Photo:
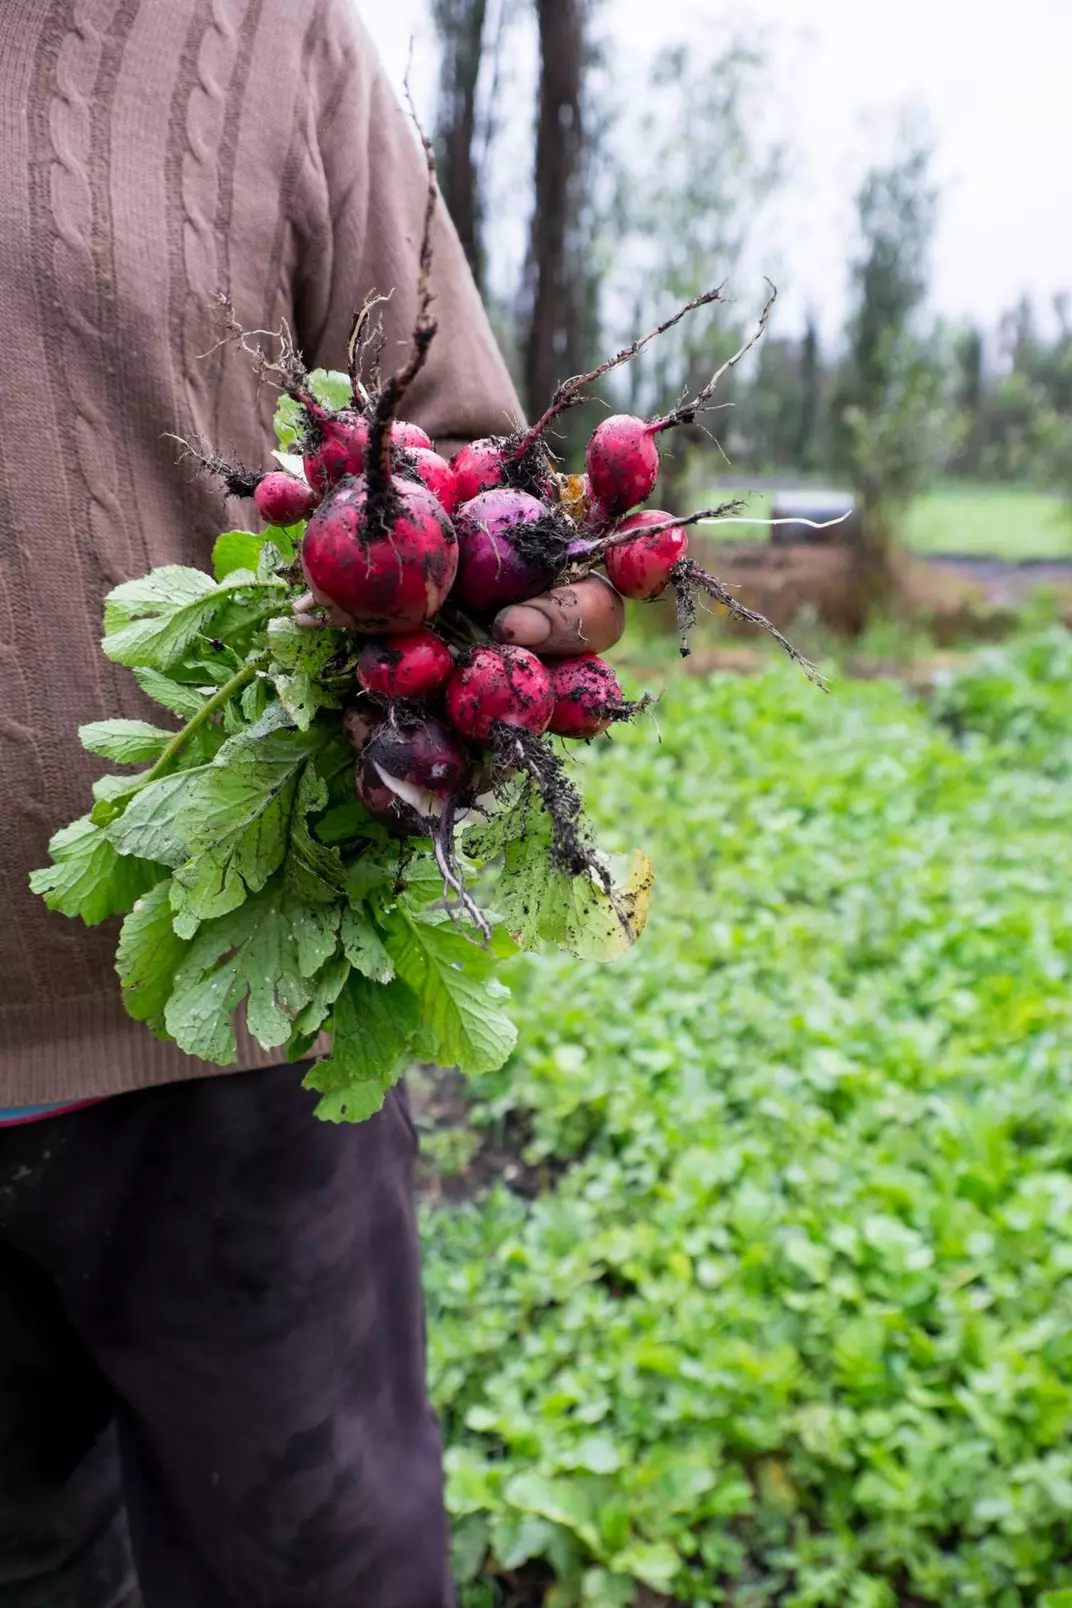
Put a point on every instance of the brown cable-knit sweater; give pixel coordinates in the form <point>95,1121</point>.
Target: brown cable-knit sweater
<point>153,153</point>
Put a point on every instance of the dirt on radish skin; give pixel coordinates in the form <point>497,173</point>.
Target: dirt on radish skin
<point>434,472</point>
<point>334,446</point>
<point>510,546</point>
<point>359,722</point>
<point>499,686</point>
<point>388,579</point>
<point>496,461</point>
<point>410,436</point>
<point>641,569</point>
<point>409,666</point>
<point>409,769</point>
<point>588,696</point>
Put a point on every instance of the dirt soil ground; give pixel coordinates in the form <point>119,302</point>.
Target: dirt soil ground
<point>955,597</point>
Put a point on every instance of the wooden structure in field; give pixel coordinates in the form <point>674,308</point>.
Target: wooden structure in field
<point>817,505</point>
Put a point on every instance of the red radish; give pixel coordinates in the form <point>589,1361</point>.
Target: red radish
<point>410,436</point>
<point>409,666</point>
<point>587,696</point>
<point>437,475</point>
<point>493,684</point>
<point>335,446</point>
<point>409,769</point>
<point>510,546</point>
<point>283,499</point>
<point>388,577</point>
<point>478,467</point>
<point>641,569</point>
<point>622,462</point>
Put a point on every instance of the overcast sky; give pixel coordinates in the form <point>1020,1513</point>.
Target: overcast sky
<point>992,75</point>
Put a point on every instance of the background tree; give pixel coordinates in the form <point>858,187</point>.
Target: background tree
<point>553,293</point>
<point>889,411</point>
<point>692,181</point>
<point>461,26</point>
<point>807,445</point>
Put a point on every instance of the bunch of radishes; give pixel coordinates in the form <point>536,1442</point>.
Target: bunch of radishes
<point>417,555</point>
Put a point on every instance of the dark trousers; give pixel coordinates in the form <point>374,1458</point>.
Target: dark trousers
<point>210,1311</point>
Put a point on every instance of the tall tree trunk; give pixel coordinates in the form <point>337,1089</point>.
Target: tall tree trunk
<point>804,445</point>
<point>556,270</point>
<point>460,24</point>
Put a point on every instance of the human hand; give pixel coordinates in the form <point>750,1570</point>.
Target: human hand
<point>312,612</point>
<point>587,617</point>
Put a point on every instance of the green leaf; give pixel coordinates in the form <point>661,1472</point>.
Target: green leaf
<point>251,957</point>
<point>329,984</point>
<point>461,1024</point>
<point>112,795</point>
<point>315,928</point>
<point>149,954</point>
<point>373,1030</point>
<point>236,550</point>
<point>530,894</point>
<point>148,827</point>
<point>217,879</point>
<point>343,822</point>
<point>313,870</point>
<point>88,878</point>
<point>127,742</point>
<point>170,587</point>
<point>250,773</point>
<point>562,1501</point>
<point>363,945</point>
<point>655,1564</point>
<point>154,621</point>
<point>299,657</point>
<point>181,700</point>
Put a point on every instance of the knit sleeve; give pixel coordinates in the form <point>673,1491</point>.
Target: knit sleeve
<point>371,177</point>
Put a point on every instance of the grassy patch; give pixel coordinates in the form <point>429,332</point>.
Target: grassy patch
<point>990,521</point>
<point>976,521</point>
<point>794,1326</point>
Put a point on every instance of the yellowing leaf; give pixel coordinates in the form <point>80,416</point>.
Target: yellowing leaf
<point>601,928</point>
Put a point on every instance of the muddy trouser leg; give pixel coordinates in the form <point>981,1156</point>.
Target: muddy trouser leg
<point>237,1285</point>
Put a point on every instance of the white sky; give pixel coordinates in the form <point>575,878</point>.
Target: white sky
<point>993,76</point>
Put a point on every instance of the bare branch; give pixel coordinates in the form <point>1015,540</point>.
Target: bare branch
<point>365,332</point>
<point>569,392</point>
<point>394,389</point>
<point>686,412</point>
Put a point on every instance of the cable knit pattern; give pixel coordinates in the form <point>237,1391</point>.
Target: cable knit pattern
<point>155,152</point>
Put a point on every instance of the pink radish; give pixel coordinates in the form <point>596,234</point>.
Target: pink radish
<point>389,574</point>
<point>437,474</point>
<point>641,569</point>
<point>409,666</point>
<point>283,499</point>
<point>588,696</point>
<point>494,685</point>
<point>510,546</point>
<point>623,463</point>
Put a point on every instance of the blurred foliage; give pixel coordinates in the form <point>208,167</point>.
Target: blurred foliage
<point>1018,700</point>
<point>794,1325</point>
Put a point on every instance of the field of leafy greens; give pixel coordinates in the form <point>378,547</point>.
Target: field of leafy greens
<point>791,1322</point>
